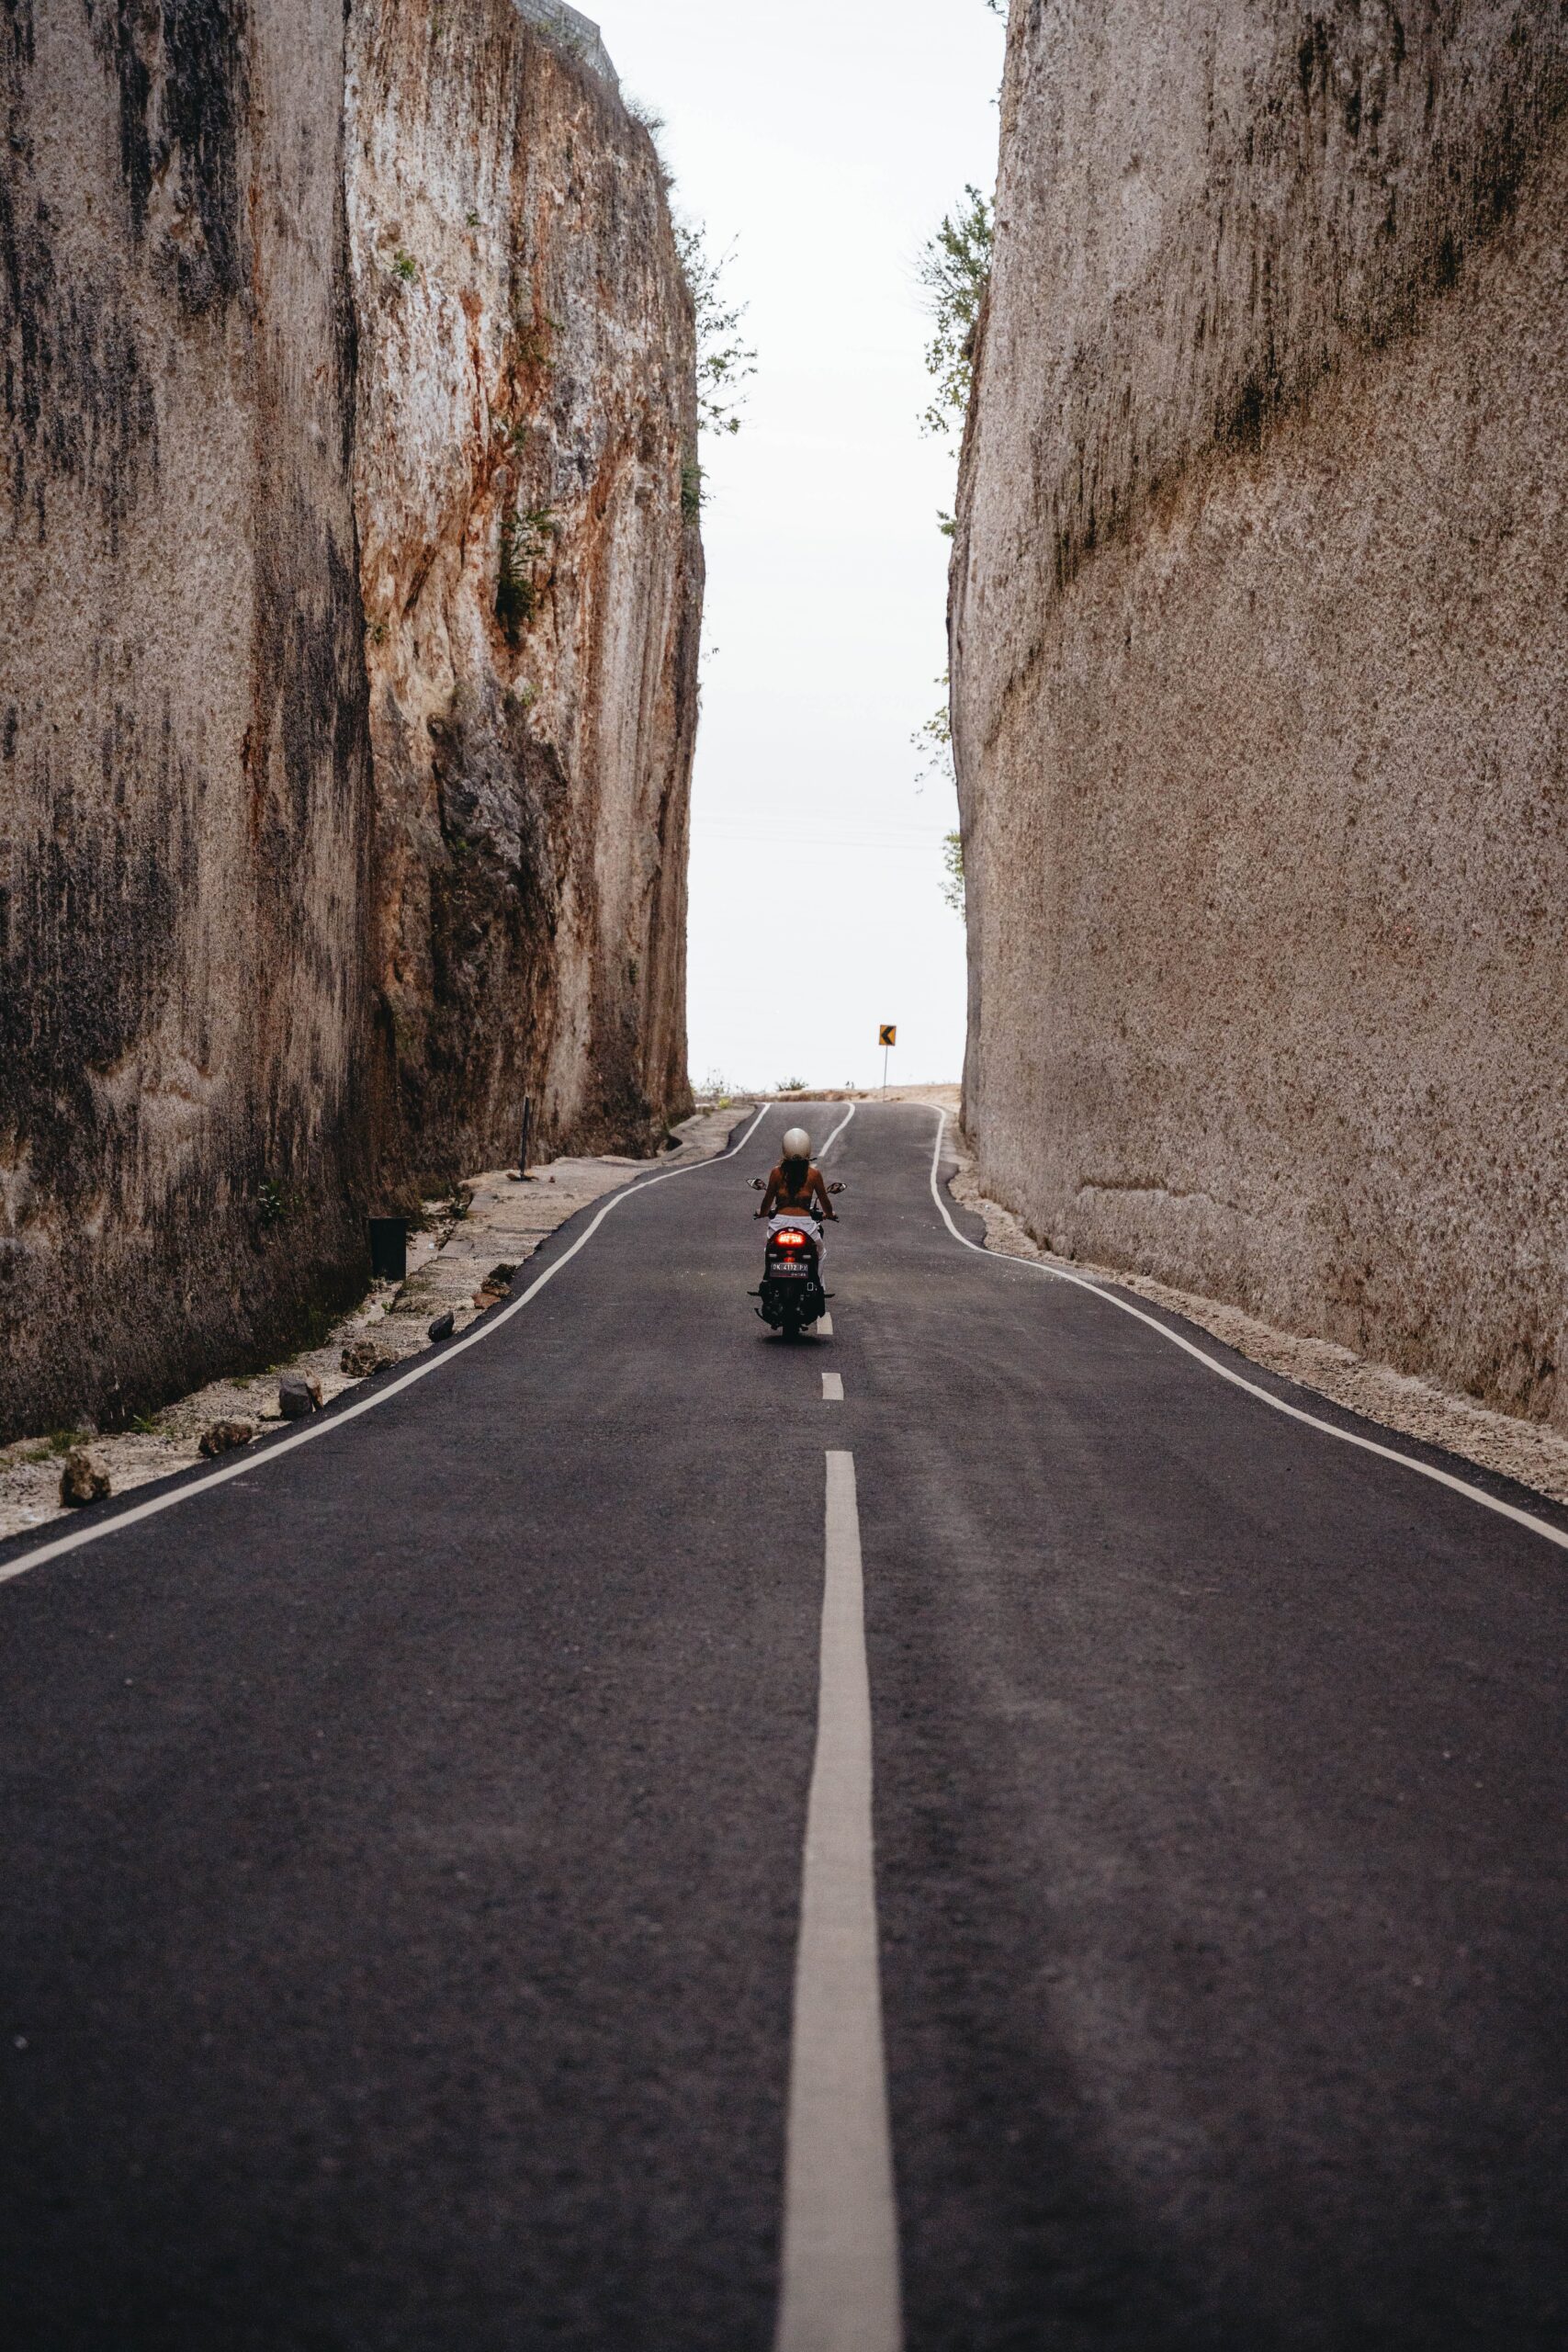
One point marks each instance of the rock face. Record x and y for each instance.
(532, 585)
(184, 778)
(1260, 662)
(350, 611)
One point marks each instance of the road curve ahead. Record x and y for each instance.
(413, 1938)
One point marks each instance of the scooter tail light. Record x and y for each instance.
(789, 1241)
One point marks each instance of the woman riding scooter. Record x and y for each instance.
(796, 1189)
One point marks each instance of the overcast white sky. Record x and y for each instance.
(826, 141)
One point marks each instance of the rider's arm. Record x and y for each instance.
(819, 1186)
(771, 1197)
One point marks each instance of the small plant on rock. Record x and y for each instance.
(953, 872)
(933, 740)
(524, 541)
(58, 1444)
(274, 1204)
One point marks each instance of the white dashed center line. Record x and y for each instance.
(832, 1388)
(825, 1326)
(840, 2286)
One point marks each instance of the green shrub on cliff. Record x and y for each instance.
(723, 361)
(954, 269)
(933, 740)
(952, 875)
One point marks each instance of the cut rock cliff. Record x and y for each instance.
(1260, 670)
(351, 583)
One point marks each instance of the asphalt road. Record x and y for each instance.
(405, 1840)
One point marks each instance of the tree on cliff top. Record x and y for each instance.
(724, 360)
(954, 269)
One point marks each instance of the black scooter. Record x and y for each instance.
(791, 1297)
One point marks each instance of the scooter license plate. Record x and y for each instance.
(797, 1272)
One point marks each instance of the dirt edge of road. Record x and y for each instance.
(941, 1095)
(1525, 1451)
(490, 1222)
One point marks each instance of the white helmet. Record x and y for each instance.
(796, 1144)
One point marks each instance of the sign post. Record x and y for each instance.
(886, 1037)
(522, 1175)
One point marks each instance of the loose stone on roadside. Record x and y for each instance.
(494, 1288)
(224, 1437)
(449, 1259)
(362, 1359)
(81, 1481)
(296, 1396)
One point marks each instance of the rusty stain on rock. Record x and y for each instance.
(305, 868)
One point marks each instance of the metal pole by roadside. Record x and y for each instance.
(522, 1175)
(886, 1037)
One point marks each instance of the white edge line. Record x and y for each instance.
(838, 1131)
(1293, 1412)
(244, 1463)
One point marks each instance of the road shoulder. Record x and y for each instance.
(1527, 1451)
(489, 1229)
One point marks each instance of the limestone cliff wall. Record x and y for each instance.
(1260, 660)
(525, 479)
(184, 811)
(350, 614)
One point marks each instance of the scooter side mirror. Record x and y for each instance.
(836, 1188)
(759, 1183)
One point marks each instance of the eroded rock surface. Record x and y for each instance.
(1260, 661)
(184, 781)
(351, 601)
(525, 483)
